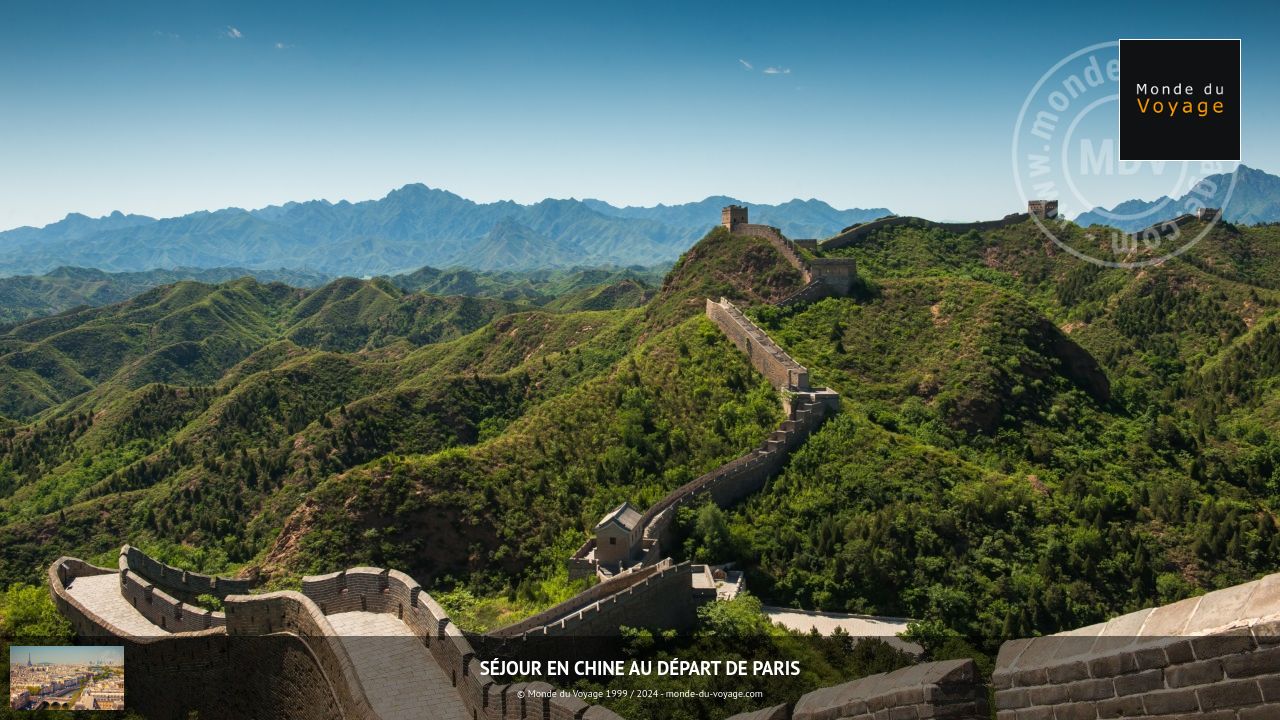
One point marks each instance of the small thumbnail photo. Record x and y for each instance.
(70, 677)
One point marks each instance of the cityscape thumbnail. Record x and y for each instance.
(66, 677)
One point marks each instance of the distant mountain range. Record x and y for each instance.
(1255, 199)
(28, 296)
(409, 228)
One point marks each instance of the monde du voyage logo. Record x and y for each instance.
(1174, 135)
(1180, 100)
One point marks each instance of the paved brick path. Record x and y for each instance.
(400, 677)
(101, 594)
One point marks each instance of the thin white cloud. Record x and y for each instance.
(234, 33)
(746, 64)
(777, 71)
(283, 46)
(166, 35)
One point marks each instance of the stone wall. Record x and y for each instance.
(253, 616)
(591, 595)
(833, 276)
(163, 610)
(951, 689)
(779, 241)
(1163, 228)
(663, 599)
(1216, 656)
(84, 622)
(207, 671)
(854, 233)
(765, 355)
(814, 291)
(732, 482)
(179, 583)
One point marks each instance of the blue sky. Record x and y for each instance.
(66, 654)
(166, 108)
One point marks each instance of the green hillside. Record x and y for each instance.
(1027, 443)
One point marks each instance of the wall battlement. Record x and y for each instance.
(1214, 656)
(764, 354)
(828, 276)
(177, 582)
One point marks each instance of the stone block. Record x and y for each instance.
(1230, 642)
(1168, 702)
(1137, 683)
(1258, 662)
(1201, 672)
(1089, 690)
(1229, 694)
(1120, 707)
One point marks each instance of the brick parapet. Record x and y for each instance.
(294, 613)
(662, 599)
(784, 246)
(183, 584)
(764, 354)
(949, 689)
(162, 609)
(591, 595)
(1218, 653)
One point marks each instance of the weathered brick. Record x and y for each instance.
(1112, 665)
(1270, 687)
(1267, 633)
(1086, 690)
(1048, 694)
(1076, 711)
(1229, 694)
(1031, 678)
(1142, 682)
(1035, 713)
(1150, 658)
(1258, 712)
(1009, 699)
(1179, 652)
(1120, 707)
(1227, 643)
(1258, 662)
(1068, 672)
(1167, 702)
(1195, 673)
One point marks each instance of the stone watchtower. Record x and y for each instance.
(1207, 214)
(1045, 209)
(733, 215)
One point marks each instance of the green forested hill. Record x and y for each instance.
(218, 425)
(1028, 442)
(981, 476)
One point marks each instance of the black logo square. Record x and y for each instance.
(1180, 100)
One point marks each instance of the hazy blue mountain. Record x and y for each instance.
(796, 218)
(1255, 199)
(72, 227)
(411, 227)
(510, 245)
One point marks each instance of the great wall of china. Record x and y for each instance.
(370, 644)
